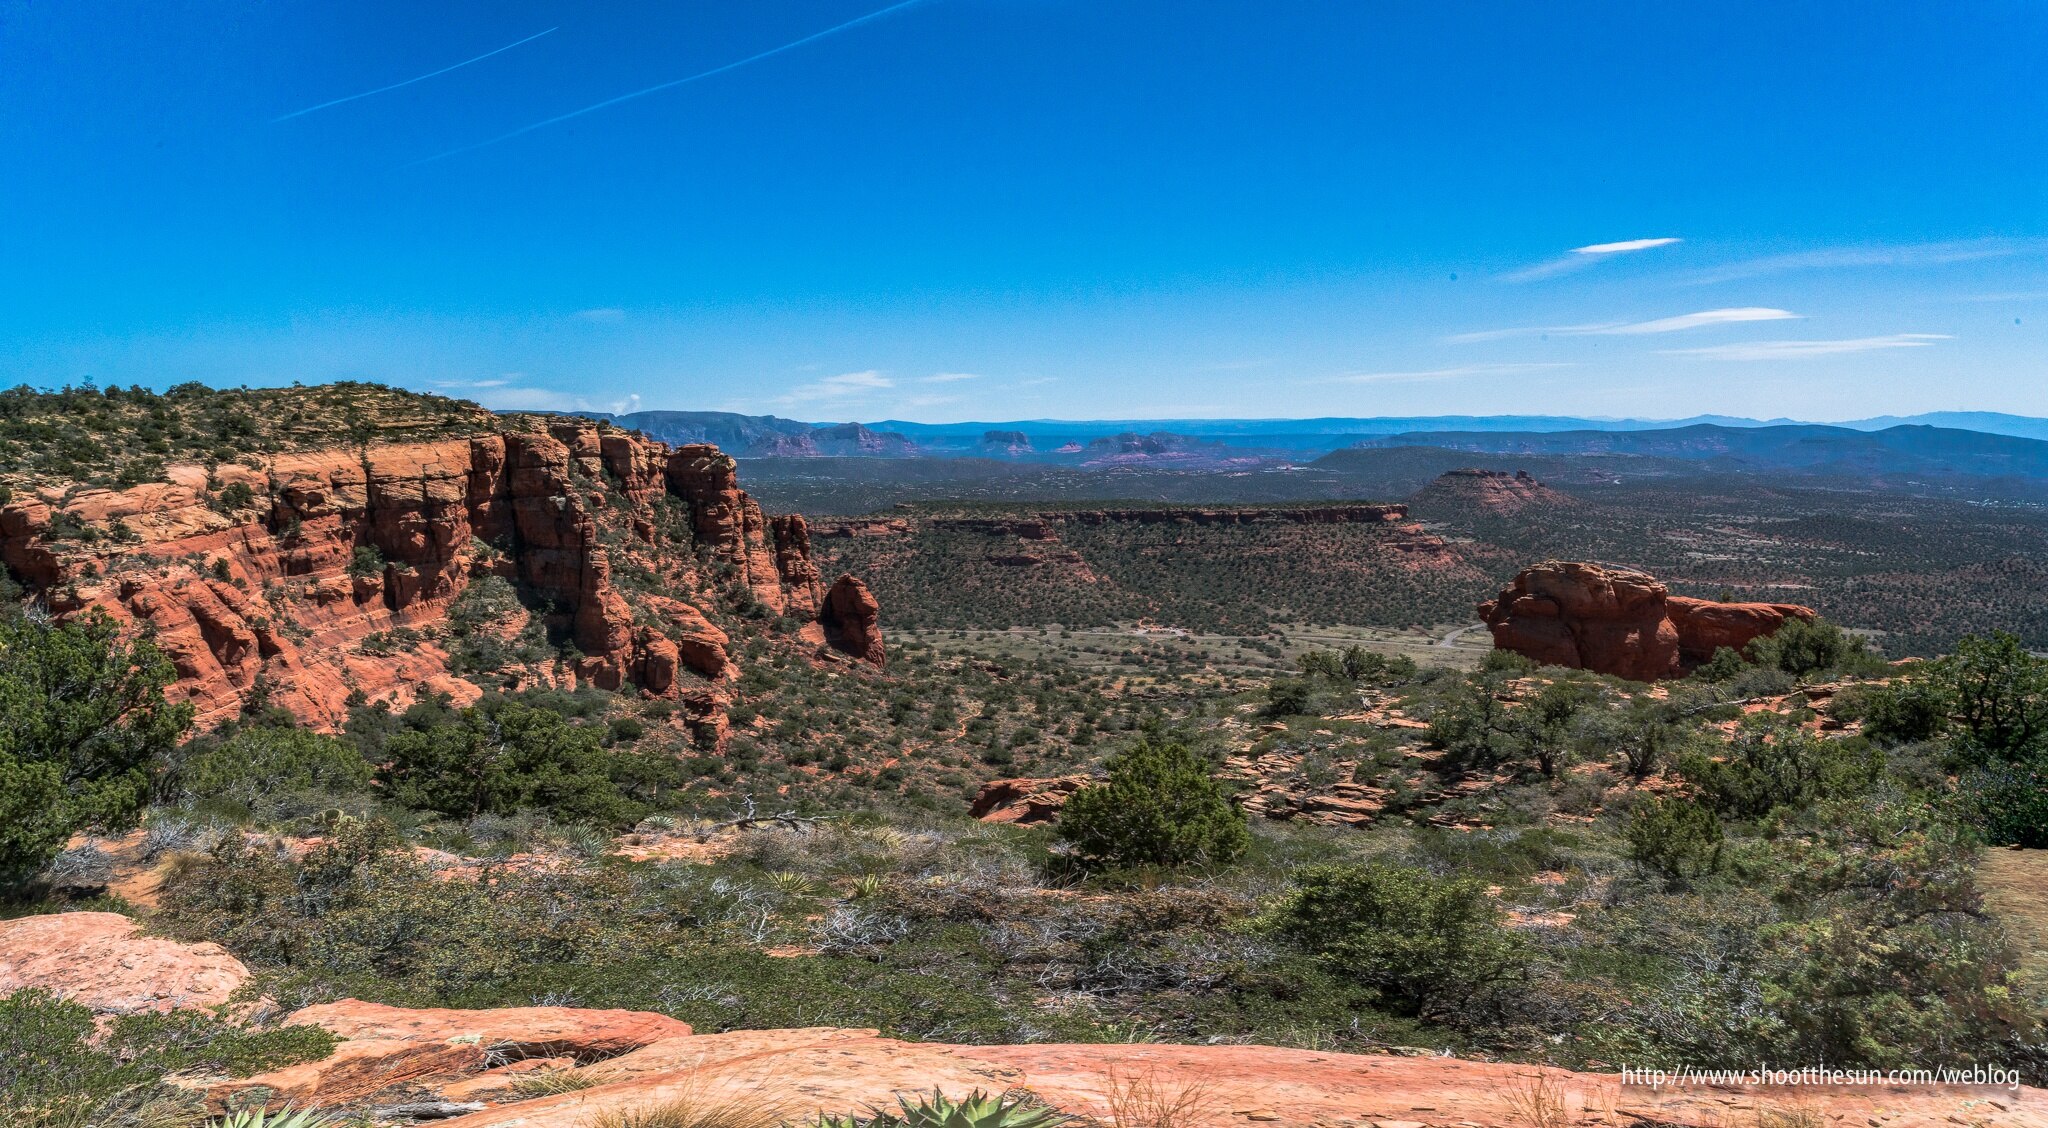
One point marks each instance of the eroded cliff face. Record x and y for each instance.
(319, 580)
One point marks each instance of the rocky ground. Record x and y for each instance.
(559, 1067)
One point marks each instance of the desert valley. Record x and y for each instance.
(998, 564)
(524, 769)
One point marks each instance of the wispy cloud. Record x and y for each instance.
(1896, 255)
(471, 383)
(1578, 258)
(410, 81)
(1801, 350)
(606, 316)
(1705, 317)
(670, 85)
(1624, 246)
(845, 386)
(950, 377)
(1732, 316)
(1428, 374)
(530, 399)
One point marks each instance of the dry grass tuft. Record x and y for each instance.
(554, 1082)
(704, 1104)
(1538, 1101)
(1147, 1101)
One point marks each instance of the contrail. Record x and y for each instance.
(410, 81)
(559, 118)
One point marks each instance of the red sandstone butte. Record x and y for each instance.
(1620, 621)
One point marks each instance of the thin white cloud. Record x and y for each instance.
(1801, 350)
(673, 83)
(1453, 373)
(1732, 316)
(950, 377)
(1896, 255)
(845, 386)
(1623, 247)
(1578, 258)
(606, 316)
(1705, 317)
(530, 399)
(470, 383)
(410, 81)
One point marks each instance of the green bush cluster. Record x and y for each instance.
(59, 1069)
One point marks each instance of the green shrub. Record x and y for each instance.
(366, 561)
(82, 716)
(1768, 767)
(233, 497)
(1289, 697)
(1475, 728)
(252, 763)
(1898, 713)
(1675, 838)
(1802, 648)
(1160, 807)
(2007, 801)
(503, 756)
(1428, 945)
(1996, 692)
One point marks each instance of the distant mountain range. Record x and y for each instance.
(1897, 456)
(1939, 447)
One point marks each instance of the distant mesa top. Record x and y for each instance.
(1620, 621)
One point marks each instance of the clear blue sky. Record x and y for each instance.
(1035, 208)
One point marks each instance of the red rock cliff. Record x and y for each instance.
(333, 549)
(1620, 621)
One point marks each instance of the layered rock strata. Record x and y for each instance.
(314, 580)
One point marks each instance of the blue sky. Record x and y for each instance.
(1038, 208)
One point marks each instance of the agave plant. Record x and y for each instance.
(865, 886)
(979, 1110)
(792, 883)
(286, 1117)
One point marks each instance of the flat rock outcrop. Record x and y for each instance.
(278, 574)
(1621, 621)
(799, 1073)
(573, 1032)
(97, 961)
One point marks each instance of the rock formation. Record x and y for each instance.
(1492, 493)
(319, 578)
(1621, 621)
(1026, 802)
(97, 960)
(851, 618)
